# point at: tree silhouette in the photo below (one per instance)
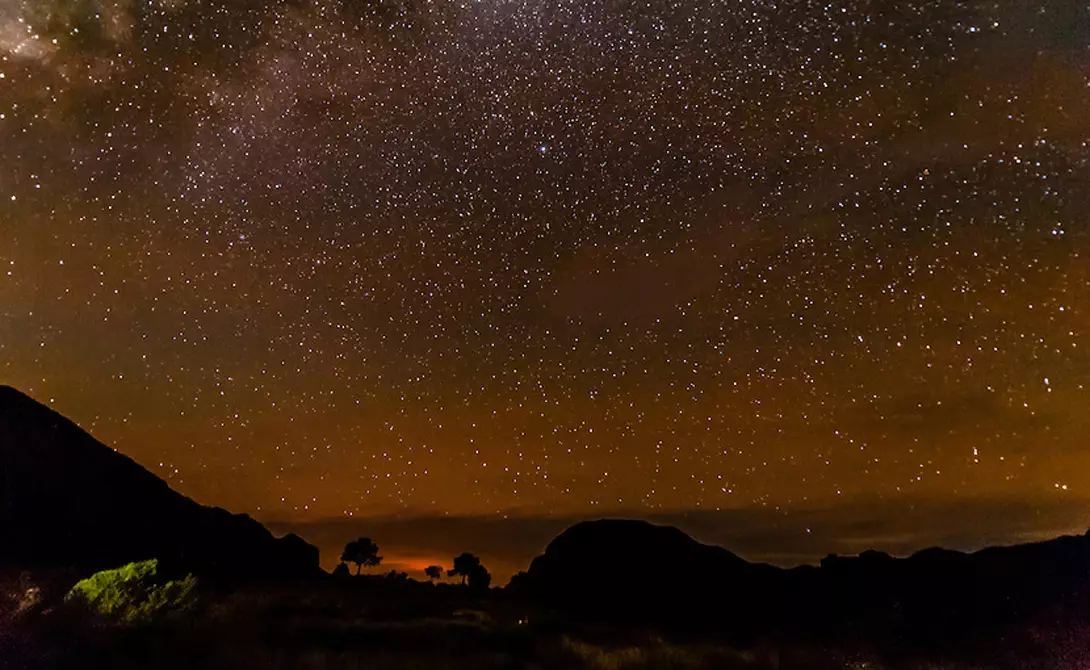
(361, 552)
(341, 571)
(434, 572)
(479, 578)
(464, 566)
(520, 583)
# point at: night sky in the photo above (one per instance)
(739, 264)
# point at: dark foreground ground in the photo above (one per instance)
(376, 623)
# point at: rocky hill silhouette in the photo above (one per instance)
(69, 501)
(620, 569)
(614, 570)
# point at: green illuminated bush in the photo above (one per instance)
(135, 593)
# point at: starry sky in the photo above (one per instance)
(337, 262)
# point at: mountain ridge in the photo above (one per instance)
(67, 499)
(625, 570)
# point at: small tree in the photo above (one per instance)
(520, 583)
(434, 572)
(479, 578)
(464, 566)
(341, 571)
(361, 552)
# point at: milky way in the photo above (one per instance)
(313, 259)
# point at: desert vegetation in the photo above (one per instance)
(137, 592)
(140, 616)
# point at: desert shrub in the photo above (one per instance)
(15, 594)
(600, 658)
(654, 653)
(134, 593)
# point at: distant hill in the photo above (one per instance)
(635, 571)
(67, 500)
(620, 569)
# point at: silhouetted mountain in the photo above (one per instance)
(66, 500)
(635, 571)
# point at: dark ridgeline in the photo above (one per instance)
(68, 501)
(621, 570)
